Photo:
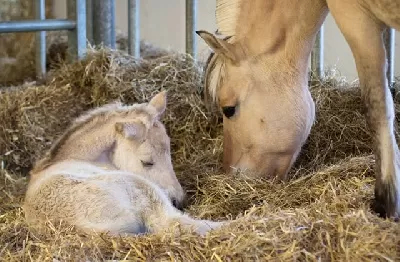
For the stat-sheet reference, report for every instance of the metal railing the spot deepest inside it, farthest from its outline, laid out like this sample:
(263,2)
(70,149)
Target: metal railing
(191,19)
(94,21)
(101,19)
(317,55)
(133,28)
(76,11)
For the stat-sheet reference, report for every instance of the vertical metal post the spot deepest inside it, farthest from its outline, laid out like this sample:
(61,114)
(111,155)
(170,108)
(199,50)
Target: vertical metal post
(133,28)
(113,35)
(191,19)
(103,18)
(89,20)
(317,54)
(40,41)
(77,37)
(389,40)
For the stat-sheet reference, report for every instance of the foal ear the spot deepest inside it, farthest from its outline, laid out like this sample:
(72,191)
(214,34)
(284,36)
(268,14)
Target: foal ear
(130,130)
(159,102)
(219,46)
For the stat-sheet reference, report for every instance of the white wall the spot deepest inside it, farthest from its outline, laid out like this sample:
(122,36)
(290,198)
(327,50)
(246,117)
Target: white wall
(162,22)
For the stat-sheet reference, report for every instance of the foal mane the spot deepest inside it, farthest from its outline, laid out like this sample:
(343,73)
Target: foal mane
(86,121)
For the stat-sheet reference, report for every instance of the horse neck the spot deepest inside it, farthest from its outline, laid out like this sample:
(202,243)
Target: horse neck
(284,32)
(89,144)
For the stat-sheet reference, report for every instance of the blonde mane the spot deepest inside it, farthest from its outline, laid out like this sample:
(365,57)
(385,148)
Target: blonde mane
(227,14)
(214,71)
(88,120)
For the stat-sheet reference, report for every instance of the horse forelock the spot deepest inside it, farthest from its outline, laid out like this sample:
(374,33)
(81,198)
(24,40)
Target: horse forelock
(87,120)
(214,72)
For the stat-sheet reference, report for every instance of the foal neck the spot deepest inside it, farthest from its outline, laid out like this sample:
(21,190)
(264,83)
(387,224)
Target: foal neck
(93,143)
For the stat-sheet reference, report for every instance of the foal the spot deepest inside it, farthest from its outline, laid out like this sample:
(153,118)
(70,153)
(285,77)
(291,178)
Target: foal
(111,171)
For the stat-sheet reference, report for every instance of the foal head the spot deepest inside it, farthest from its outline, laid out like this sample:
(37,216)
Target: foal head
(142,146)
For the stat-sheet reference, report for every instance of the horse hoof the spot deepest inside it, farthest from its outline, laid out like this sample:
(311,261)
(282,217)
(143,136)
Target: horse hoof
(385,203)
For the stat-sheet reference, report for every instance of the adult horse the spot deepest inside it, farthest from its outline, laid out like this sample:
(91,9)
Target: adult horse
(258,76)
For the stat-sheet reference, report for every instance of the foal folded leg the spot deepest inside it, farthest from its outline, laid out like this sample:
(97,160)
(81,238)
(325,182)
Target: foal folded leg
(165,218)
(162,216)
(364,34)
(132,205)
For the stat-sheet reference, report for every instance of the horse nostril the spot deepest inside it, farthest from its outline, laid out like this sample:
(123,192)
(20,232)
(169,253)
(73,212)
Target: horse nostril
(229,111)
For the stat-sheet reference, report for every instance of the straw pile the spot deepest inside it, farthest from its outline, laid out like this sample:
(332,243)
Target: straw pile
(321,214)
(18,64)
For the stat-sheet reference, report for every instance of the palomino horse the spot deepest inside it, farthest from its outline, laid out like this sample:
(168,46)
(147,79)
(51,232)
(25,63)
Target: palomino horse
(111,171)
(258,77)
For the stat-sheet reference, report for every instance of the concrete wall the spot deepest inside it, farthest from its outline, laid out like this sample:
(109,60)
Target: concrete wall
(163,24)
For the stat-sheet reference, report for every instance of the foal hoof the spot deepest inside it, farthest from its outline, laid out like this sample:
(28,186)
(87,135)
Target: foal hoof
(180,205)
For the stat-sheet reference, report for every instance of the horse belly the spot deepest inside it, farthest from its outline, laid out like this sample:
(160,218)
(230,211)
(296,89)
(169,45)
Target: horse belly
(387,11)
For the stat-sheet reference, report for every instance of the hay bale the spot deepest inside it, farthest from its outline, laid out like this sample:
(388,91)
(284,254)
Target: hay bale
(322,214)
(340,129)
(147,50)
(34,115)
(19,66)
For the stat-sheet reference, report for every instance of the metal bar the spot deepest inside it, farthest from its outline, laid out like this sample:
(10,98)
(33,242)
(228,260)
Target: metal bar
(102,21)
(40,41)
(113,35)
(191,19)
(89,20)
(317,55)
(77,36)
(34,25)
(389,40)
(133,28)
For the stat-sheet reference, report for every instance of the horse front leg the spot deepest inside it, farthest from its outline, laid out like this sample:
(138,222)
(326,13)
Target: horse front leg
(364,35)
(380,118)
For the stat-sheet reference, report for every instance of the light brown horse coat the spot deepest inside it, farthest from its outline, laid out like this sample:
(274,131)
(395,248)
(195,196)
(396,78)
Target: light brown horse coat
(111,171)
(258,76)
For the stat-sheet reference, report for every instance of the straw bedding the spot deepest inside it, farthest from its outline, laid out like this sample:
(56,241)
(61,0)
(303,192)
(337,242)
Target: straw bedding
(18,61)
(322,214)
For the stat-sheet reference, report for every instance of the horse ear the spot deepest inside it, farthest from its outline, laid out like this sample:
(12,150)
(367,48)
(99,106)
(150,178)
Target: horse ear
(219,46)
(159,102)
(130,130)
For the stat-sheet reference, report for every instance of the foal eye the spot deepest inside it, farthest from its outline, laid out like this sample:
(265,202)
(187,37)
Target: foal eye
(147,163)
(229,111)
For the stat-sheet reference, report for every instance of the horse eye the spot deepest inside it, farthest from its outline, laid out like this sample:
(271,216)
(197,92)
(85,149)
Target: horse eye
(147,163)
(229,111)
